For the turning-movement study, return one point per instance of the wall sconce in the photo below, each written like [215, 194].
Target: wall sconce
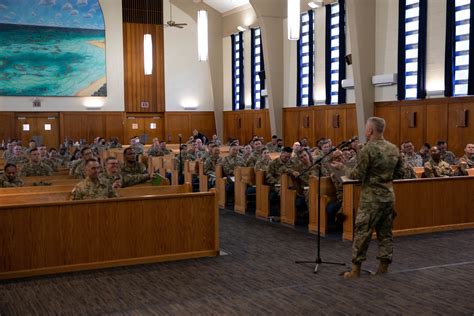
[241, 28]
[93, 104]
[202, 24]
[293, 20]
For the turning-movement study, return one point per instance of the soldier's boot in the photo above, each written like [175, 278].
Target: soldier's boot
[383, 267]
[354, 273]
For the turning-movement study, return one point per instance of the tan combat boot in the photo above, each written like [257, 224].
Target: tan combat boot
[383, 267]
[354, 273]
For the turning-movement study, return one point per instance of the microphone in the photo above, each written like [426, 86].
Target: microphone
[348, 142]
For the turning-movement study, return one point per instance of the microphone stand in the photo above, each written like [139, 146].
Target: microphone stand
[180, 168]
[318, 163]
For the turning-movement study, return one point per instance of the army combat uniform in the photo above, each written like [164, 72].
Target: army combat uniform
[31, 170]
[435, 170]
[134, 168]
[88, 189]
[379, 162]
[7, 183]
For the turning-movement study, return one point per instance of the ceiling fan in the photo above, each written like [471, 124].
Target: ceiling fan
[172, 23]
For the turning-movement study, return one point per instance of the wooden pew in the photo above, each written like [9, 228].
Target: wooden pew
[244, 177]
[163, 164]
[422, 205]
[470, 172]
[37, 189]
[328, 194]
[419, 171]
[191, 168]
[203, 179]
[56, 237]
[287, 200]
[262, 208]
[220, 186]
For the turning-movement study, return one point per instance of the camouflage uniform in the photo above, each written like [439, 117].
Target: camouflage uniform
[253, 158]
[275, 169]
[134, 168]
[379, 162]
[64, 159]
[93, 190]
[434, 170]
[73, 165]
[448, 157]
[79, 169]
[273, 148]
[155, 152]
[229, 163]
[413, 160]
[201, 154]
[51, 163]
[127, 180]
[462, 167]
[262, 164]
[31, 170]
[210, 165]
[18, 160]
[7, 155]
[138, 149]
[7, 183]
[408, 171]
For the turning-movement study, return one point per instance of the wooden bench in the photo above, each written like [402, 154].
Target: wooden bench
[190, 169]
[328, 194]
[262, 208]
[419, 171]
[203, 178]
[244, 177]
[422, 205]
[287, 200]
[56, 237]
[162, 165]
[220, 186]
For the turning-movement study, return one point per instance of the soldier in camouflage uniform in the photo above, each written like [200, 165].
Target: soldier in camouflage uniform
[63, 156]
[93, 188]
[78, 167]
[7, 154]
[229, 163]
[408, 171]
[155, 149]
[9, 179]
[35, 167]
[446, 155]
[272, 177]
[210, 166]
[114, 143]
[113, 176]
[273, 145]
[334, 208]
[200, 152]
[131, 165]
[264, 161]
[378, 163]
[18, 157]
[436, 167]
[466, 161]
[165, 150]
[411, 158]
[256, 154]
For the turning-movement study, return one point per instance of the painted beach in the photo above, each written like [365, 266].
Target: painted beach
[51, 61]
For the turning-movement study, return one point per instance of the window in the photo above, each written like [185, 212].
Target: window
[335, 53]
[458, 42]
[238, 102]
[258, 70]
[305, 55]
[412, 49]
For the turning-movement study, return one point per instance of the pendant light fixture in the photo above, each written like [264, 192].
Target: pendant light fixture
[202, 26]
[147, 48]
[293, 20]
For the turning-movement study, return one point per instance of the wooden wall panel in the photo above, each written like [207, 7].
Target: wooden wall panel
[37, 130]
[262, 124]
[7, 126]
[245, 124]
[436, 118]
[114, 126]
[391, 114]
[412, 121]
[145, 126]
[305, 125]
[351, 123]
[139, 87]
[335, 125]
[459, 136]
[229, 118]
[184, 122]
[290, 127]
[319, 131]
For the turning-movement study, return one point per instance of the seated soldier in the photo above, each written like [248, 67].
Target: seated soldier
[246, 152]
[112, 174]
[210, 166]
[155, 149]
[78, 167]
[17, 158]
[199, 149]
[436, 167]
[136, 145]
[63, 156]
[264, 161]
[131, 165]
[9, 178]
[93, 188]
[466, 161]
[408, 171]
[114, 143]
[273, 145]
[45, 158]
[229, 163]
[334, 208]
[272, 177]
[35, 167]
[445, 154]
[165, 150]
[411, 158]
[256, 153]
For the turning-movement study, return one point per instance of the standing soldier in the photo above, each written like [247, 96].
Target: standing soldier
[379, 162]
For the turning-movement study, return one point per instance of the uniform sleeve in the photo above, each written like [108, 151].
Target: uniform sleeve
[399, 172]
[360, 169]
[428, 170]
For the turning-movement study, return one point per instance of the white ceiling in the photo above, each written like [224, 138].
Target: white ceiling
[224, 6]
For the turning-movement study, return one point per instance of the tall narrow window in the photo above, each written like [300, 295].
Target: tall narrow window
[335, 53]
[412, 49]
[258, 70]
[458, 44]
[305, 55]
[238, 101]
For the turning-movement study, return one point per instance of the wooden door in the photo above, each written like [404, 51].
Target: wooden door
[43, 128]
[134, 126]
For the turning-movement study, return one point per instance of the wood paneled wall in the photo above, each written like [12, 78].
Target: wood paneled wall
[43, 127]
[185, 122]
[147, 126]
[7, 125]
[336, 122]
[244, 124]
[88, 125]
[430, 120]
[138, 87]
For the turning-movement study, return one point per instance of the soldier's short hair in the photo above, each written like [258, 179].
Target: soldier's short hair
[89, 160]
[33, 149]
[287, 149]
[377, 123]
[109, 159]
[127, 150]
[84, 149]
[8, 165]
[233, 144]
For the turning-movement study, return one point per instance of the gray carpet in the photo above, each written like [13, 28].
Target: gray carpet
[432, 274]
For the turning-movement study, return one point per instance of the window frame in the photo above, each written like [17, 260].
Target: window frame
[257, 60]
[238, 89]
[301, 66]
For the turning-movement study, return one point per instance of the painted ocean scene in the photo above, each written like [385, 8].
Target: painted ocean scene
[52, 48]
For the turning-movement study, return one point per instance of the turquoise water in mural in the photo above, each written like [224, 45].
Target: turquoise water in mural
[51, 61]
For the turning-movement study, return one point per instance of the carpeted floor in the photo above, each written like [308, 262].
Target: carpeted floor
[432, 274]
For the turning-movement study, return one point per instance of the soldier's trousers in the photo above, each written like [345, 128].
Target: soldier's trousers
[370, 216]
